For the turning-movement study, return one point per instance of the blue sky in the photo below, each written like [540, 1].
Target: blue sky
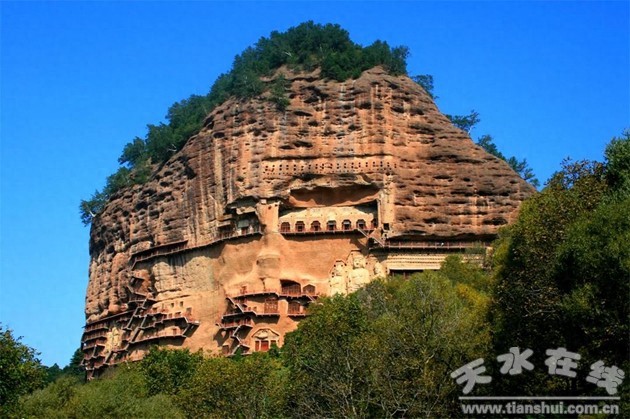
[79, 80]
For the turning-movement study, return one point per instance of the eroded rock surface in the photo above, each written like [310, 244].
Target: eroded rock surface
[264, 210]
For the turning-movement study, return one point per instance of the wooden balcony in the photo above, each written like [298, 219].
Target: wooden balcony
[182, 246]
[159, 335]
[93, 336]
[297, 313]
[247, 322]
[290, 291]
[94, 344]
[438, 245]
[156, 251]
[99, 325]
[253, 311]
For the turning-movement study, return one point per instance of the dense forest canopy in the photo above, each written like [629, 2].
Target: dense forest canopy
[557, 278]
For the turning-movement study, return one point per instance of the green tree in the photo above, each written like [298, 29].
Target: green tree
[429, 327]
[278, 93]
[592, 272]
[247, 387]
[120, 394]
[524, 170]
[527, 295]
[388, 350]
[327, 360]
[617, 163]
[465, 122]
[91, 207]
[52, 373]
[426, 81]
[75, 367]
[562, 274]
[487, 143]
[133, 153]
[519, 166]
[51, 401]
[20, 370]
[167, 371]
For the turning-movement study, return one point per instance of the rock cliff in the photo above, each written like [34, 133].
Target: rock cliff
[265, 209]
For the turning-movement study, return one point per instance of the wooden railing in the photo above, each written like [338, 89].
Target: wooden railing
[296, 310]
[97, 365]
[160, 250]
[271, 308]
[234, 324]
[267, 309]
[294, 289]
[159, 335]
[105, 319]
[93, 345]
[99, 325]
[178, 247]
[434, 244]
[244, 292]
[93, 336]
[286, 291]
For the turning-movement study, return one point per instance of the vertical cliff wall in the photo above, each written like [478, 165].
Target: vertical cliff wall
[266, 209]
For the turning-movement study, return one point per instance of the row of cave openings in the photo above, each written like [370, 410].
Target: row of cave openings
[331, 226]
[328, 167]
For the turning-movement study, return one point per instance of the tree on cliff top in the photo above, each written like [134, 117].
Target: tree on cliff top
[519, 166]
[301, 48]
[468, 122]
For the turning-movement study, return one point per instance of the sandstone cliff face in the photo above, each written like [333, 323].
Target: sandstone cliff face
[373, 156]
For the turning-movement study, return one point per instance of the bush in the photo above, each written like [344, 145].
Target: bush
[246, 387]
[122, 393]
[167, 371]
